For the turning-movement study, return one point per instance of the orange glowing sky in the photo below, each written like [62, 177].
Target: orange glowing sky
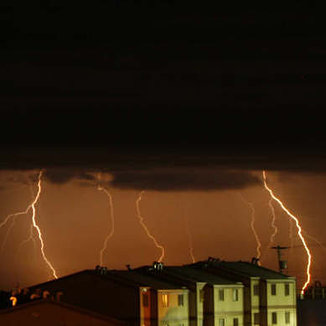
[74, 218]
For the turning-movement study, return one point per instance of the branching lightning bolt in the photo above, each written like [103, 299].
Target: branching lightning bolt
[314, 239]
[190, 242]
[275, 230]
[141, 221]
[109, 236]
[252, 225]
[291, 233]
[31, 230]
[30, 238]
[7, 234]
[298, 228]
[32, 207]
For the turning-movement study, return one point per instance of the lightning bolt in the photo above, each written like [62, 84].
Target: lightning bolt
[109, 236]
[32, 206]
[31, 233]
[190, 242]
[30, 238]
[34, 224]
[297, 223]
[275, 230]
[291, 233]
[252, 225]
[141, 221]
[314, 239]
[7, 234]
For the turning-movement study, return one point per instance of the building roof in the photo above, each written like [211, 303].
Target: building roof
[243, 268]
[63, 305]
[91, 273]
[147, 280]
[197, 275]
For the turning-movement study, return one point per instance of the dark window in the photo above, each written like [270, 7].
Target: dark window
[256, 318]
[201, 295]
[256, 289]
[180, 300]
[221, 295]
[235, 295]
[273, 288]
[287, 317]
[287, 289]
[145, 300]
[274, 318]
[235, 321]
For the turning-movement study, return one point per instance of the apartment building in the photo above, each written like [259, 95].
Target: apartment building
[207, 293]
[165, 303]
[213, 300]
[269, 296]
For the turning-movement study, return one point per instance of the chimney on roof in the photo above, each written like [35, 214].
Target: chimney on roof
[254, 260]
[128, 267]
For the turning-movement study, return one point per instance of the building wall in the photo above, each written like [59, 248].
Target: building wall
[145, 298]
[232, 307]
[248, 311]
[281, 304]
[170, 313]
[200, 303]
[256, 299]
[50, 315]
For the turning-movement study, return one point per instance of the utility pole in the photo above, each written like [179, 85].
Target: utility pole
[282, 264]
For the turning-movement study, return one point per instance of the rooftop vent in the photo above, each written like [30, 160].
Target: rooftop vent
[157, 266]
[212, 260]
[102, 270]
[255, 261]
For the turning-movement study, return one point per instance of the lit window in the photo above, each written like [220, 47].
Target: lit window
[221, 294]
[165, 300]
[145, 300]
[180, 300]
[221, 322]
[235, 295]
[287, 289]
[256, 289]
[287, 317]
[256, 318]
[235, 321]
[201, 295]
[274, 318]
[273, 289]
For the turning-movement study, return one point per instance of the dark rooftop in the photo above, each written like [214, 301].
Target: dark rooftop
[146, 280]
[197, 275]
[64, 305]
[243, 268]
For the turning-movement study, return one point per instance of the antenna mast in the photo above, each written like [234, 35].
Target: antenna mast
[282, 264]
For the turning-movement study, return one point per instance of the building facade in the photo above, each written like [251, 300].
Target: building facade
[269, 296]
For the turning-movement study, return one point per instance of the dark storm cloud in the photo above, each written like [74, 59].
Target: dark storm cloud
[64, 175]
[167, 179]
[179, 180]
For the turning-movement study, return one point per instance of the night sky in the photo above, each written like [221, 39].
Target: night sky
[185, 101]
